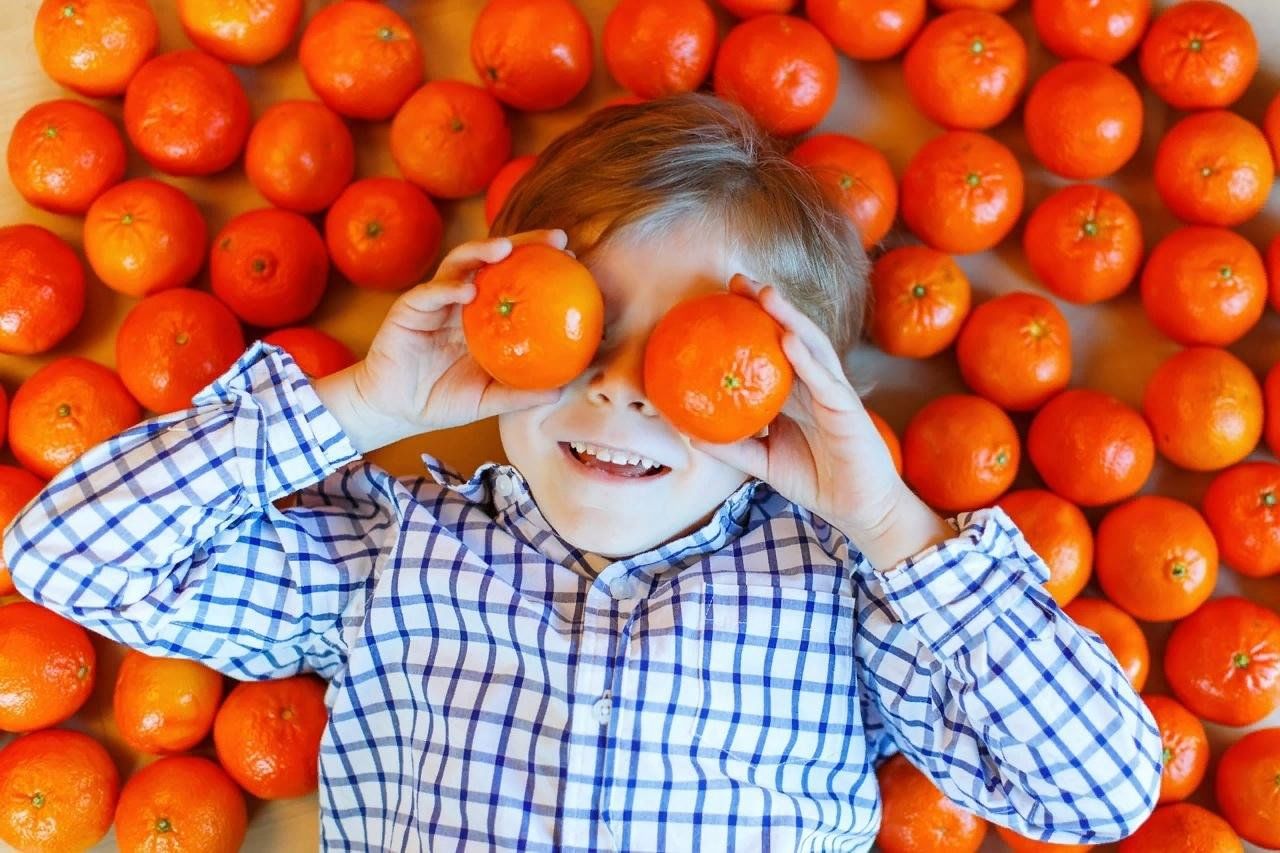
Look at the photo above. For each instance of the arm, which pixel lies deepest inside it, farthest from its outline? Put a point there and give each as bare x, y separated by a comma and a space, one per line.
165, 538
1014, 711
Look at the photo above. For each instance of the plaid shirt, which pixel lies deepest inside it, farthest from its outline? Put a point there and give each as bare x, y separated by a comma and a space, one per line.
731, 690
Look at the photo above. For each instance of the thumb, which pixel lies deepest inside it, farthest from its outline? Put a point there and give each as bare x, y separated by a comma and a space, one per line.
750, 455
499, 399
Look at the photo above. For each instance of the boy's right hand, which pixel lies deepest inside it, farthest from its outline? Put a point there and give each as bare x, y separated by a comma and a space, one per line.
418, 376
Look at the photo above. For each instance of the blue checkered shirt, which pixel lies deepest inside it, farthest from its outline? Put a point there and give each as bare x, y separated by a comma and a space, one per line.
731, 690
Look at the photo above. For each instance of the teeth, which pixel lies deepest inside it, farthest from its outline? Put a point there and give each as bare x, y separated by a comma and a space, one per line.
617, 457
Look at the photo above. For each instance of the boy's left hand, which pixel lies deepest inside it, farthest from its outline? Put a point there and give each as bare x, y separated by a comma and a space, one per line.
824, 452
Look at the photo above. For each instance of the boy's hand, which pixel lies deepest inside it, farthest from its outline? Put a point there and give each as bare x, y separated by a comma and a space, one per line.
418, 376
824, 452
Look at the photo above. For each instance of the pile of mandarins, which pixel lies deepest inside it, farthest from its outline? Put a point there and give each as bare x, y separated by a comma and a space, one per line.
186, 113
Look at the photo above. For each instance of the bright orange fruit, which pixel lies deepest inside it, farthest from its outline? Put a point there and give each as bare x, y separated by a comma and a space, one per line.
17, 487
1272, 397
1059, 533
94, 47
532, 54
1015, 350
450, 138
1118, 632
1083, 119
960, 452
41, 289
918, 816
1084, 243
1205, 409
64, 154
182, 802
919, 299
383, 233
1186, 748
660, 47
144, 236
317, 353
1103, 30
503, 183
1242, 506
164, 705
858, 177
47, 667
1199, 54
966, 69
269, 266
867, 29
1090, 448
362, 59
267, 734
1174, 826
1214, 168
300, 156
58, 791
242, 32
1247, 787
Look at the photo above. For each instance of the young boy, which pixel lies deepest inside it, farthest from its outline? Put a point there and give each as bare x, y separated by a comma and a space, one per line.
624, 639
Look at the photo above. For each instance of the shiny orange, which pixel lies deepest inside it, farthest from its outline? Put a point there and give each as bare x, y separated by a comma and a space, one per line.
1021, 844
242, 32
962, 192
1015, 350
867, 29
172, 344
981, 5
917, 816
503, 183
1247, 787
532, 54
1186, 748
58, 791
17, 487
362, 59
94, 47
960, 452
1090, 448
1156, 558
1177, 825
1223, 661
1272, 397
1204, 285
41, 289
1118, 632
919, 299
65, 408
858, 177
966, 69
1214, 168
269, 266
1271, 127
714, 367
383, 233
450, 138
63, 154
1205, 409
1273, 270
182, 802
890, 438
317, 353
1102, 30
1084, 243
144, 236
187, 114
47, 667
1242, 506
1059, 533
164, 705
300, 156
660, 47
754, 8
267, 734
1083, 119
1199, 54
781, 69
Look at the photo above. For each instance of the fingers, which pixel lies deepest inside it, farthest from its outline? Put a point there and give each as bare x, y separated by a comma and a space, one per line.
553, 237
468, 257
750, 456
824, 388
431, 306
498, 399
795, 320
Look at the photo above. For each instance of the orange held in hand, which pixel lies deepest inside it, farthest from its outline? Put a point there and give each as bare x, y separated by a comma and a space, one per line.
94, 47
1177, 825
383, 233
1186, 748
17, 487
144, 236
536, 320
361, 59
966, 69
317, 353
1090, 448
1083, 119
1084, 243
269, 267
1247, 787
960, 452
918, 816
858, 177
1015, 350
655, 48
450, 138
714, 367
1199, 54
164, 705
1214, 168
1242, 506
1102, 30
242, 32
919, 299
300, 156
1205, 409
267, 734
1118, 632
532, 54
1059, 533
58, 791
181, 797
64, 154
874, 29
47, 667
41, 289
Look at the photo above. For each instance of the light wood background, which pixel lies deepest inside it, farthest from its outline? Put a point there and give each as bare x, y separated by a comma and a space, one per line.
1115, 347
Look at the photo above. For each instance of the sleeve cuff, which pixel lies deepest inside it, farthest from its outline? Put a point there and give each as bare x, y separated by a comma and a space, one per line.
950, 593
282, 430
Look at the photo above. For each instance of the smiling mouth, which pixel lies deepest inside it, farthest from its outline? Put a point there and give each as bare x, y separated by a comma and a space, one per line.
616, 463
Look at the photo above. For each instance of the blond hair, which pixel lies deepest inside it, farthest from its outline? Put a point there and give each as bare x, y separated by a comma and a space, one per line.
644, 168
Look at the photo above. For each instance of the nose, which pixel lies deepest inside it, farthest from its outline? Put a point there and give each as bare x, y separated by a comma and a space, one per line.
617, 379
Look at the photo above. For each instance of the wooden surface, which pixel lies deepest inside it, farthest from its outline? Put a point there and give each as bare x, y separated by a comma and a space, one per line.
1115, 348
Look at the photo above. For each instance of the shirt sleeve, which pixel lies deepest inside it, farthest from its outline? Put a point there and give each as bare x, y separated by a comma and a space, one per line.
165, 537
1016, 712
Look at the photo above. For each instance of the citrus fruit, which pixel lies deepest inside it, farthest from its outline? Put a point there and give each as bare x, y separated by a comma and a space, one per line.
660, 47
1083, 119
163, 705
503, 183
58, 791
755, 8
867, 29
94, 47
267, 734
1214, 168
1182, 826
361, 59
983, 5
1058, 532
532, 54
1272, 396
1271, 127
1273, 270
966, 69
919, 297
144, 236
300, 156
1090, 448
17, 487
917, 816
182, 802
960, 452
857, 177
383, 233
1118, 632
1084, 243
1247, 787
450, 138
63, 154
1102, 30
269, 267
41, 289
47, 667
1205, 409
1015, 350
1242, 506
317, 353
1199, 54
1186, 748
891, 442
242, 32
1021, 844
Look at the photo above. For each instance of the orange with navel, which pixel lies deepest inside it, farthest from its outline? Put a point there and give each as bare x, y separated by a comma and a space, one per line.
1118, 632
1083, 119
144, 236
164, 705
1084, 243
1015, 350
495, 197
242, 32
317, 353
1242, 506
1205, 409
966, 69
58, 791
868, 29
41, 289
300, 156
383, 233
47, 667
918, 816
1199, 54
1185, 746
182, 802
1090, 448
1214, 168
1102, 30
362, 59
655, 48
94, 47
17, 487
1247, 787
267, 735
858, 177
960, 452
715, 368
532, 54
450, 138
64, 154
269, 266
1182, 826
919, 299
1059, 533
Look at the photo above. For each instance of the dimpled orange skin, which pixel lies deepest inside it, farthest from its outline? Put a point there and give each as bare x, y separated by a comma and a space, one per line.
267, 735
660, 47
242, 32
362, 59
858, 176
181, 797
269, 266
47, 667
17, 487
503, 183
920, 298
966, 69
1021, 844
1272, 397
536, 320
1214, 168
960, 452
1223, 661
144, 236
58, 791
1083, 119
1086, 29
918, 816
1177, 826
1084, 243
1186, 748
41, 289
1156, 558
383, 233
450, 138
1205, 409
1119, 632
1204, 285
164, 705
300, 156
962, 192
63, 154
1015, 350
94, 47
1199, 54
1242, 506
714, 367
532, 54
1247, 786
1057, 530
877, 29
1090, 448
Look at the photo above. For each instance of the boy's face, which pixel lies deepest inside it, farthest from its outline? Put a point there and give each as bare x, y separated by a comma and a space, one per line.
600, 506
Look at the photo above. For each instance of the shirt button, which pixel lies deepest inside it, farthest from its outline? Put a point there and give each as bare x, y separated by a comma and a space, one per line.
602, 708
503, 485
623, 589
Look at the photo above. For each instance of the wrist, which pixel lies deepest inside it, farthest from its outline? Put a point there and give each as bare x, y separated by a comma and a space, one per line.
906, 527
366, 427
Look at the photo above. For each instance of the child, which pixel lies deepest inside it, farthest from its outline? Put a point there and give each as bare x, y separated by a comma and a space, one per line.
623, 639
